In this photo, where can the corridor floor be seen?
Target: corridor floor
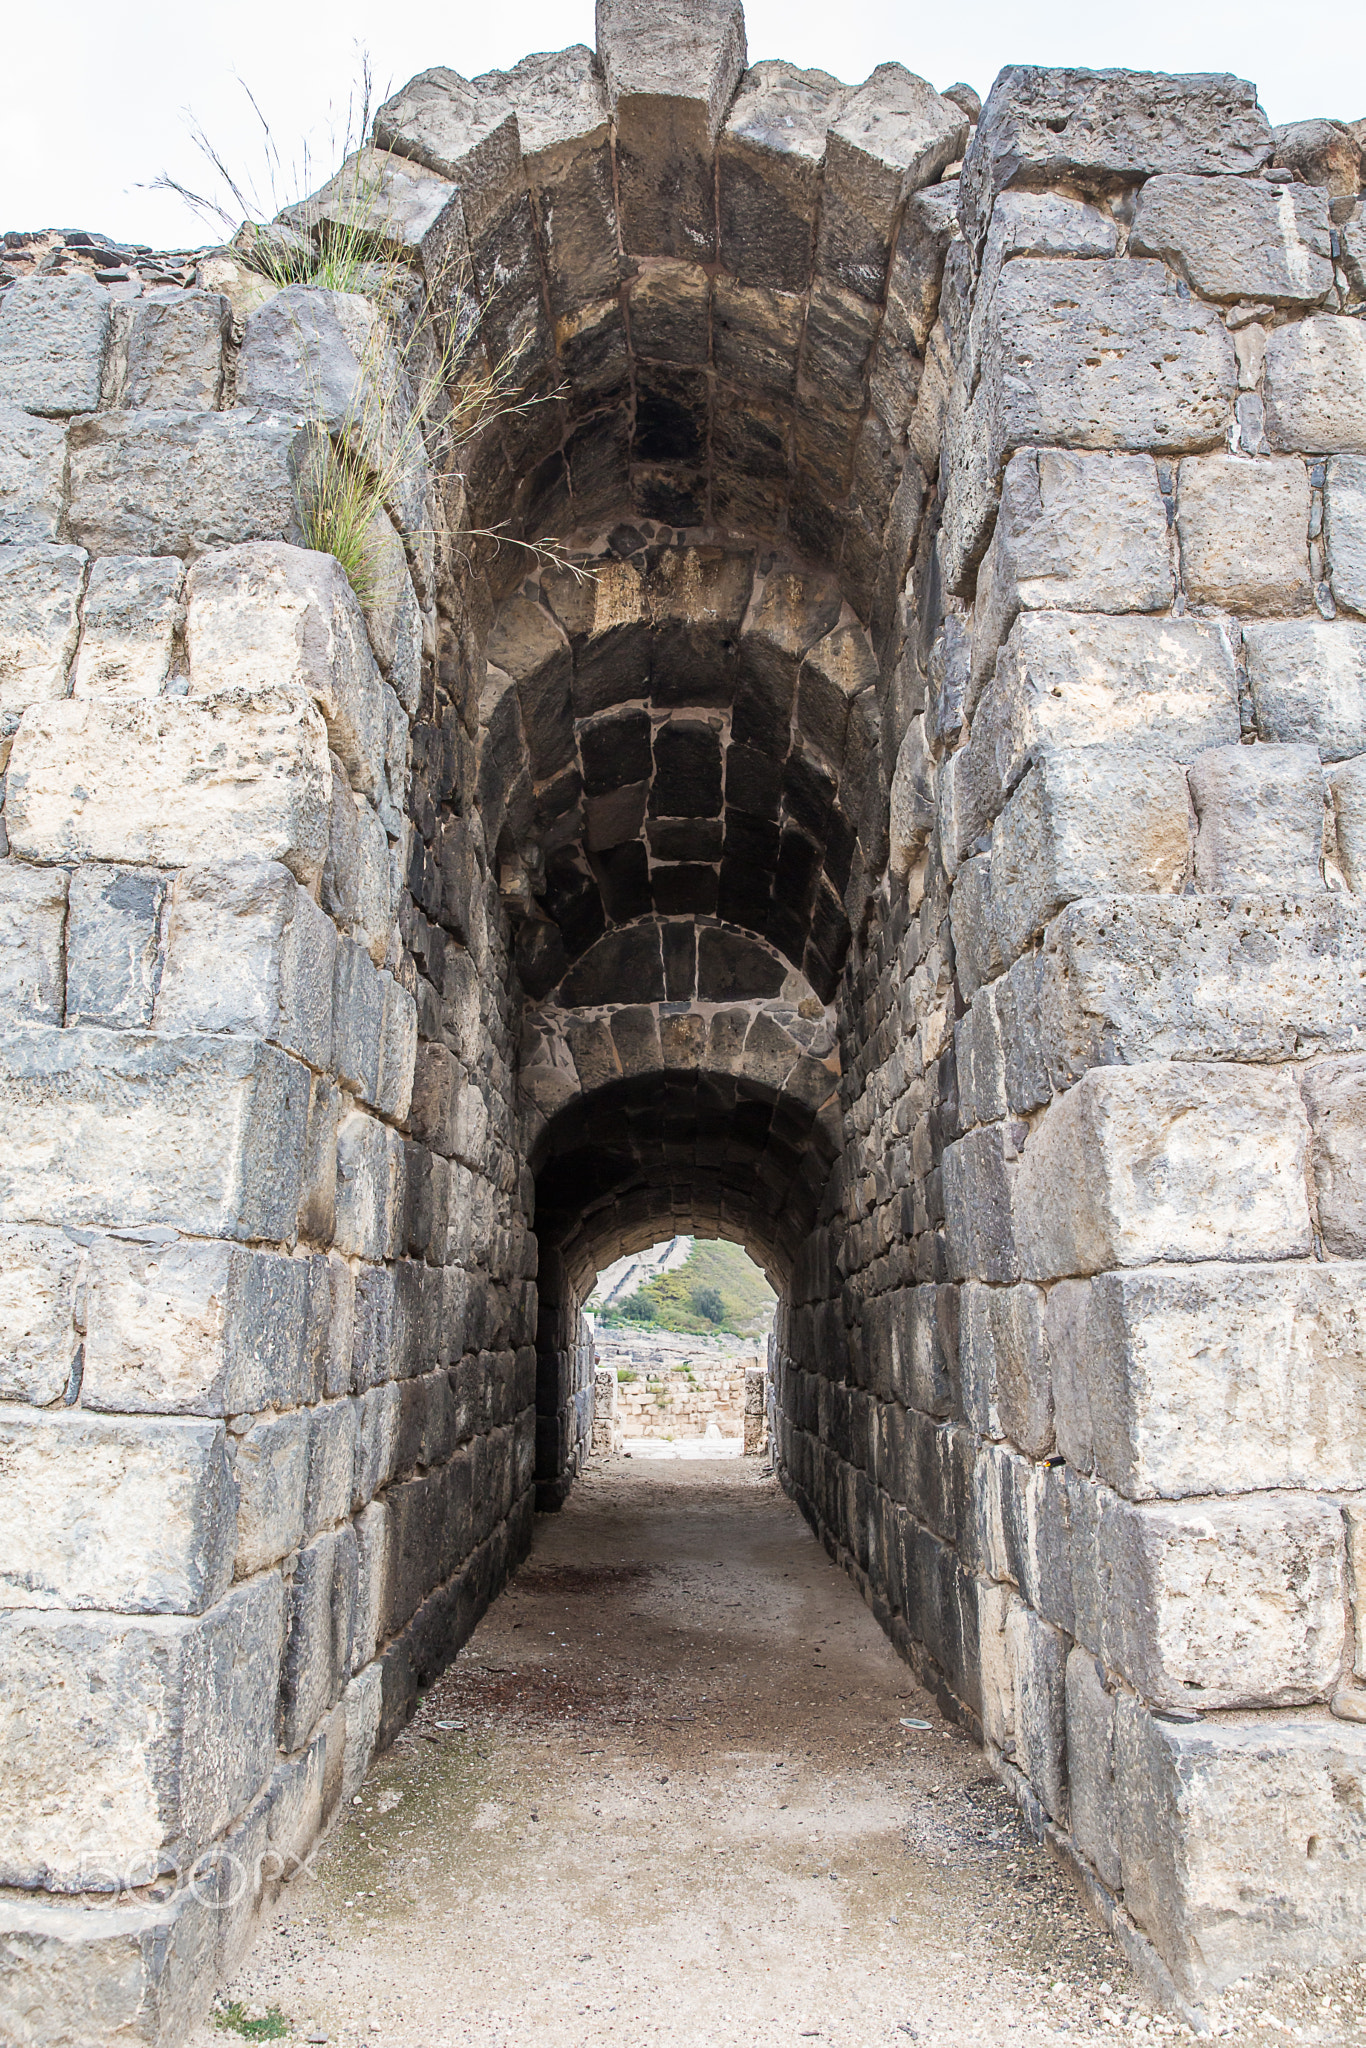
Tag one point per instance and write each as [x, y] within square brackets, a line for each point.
[667, 1795]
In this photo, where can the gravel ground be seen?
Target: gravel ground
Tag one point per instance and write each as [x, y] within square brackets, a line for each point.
[666, 1794]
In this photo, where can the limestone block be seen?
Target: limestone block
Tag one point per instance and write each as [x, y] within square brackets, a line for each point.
[912, 799]
[1108, 818]
[1212, 1872]
[269, 615]
[175, 350]
[32, 477]
[363, 1701]
[1237, 238]
[369, 1187]
[1354, 1515]
[980, 1061]
[89, 1974]
[178, 483]
[129, 1743]
[53, 337]
[769, 173]
[373, 1535]
[319, 1613]
[194, 1329]
[247, 950]
[306, 353]
[1308, 682]
[891, 135]
[131, 614]
[1347, 788]
[32, 923]
[357, 1020]
[1344, 523]
[1038, 1658]
[978, 1178]
[977, 954]
[1068, 681]
[1228, 1603]
[1226, 1379]
[114, 945]
[1127, 979]
[40, 594]
[1315, 389]
[1259, 819]
[332, 1432]
[357, 886]
[1075, 533]
[170, 781]
[1243, 528]
[1190, 1161]
[393, 618]
[670, 76]
[397, 1052]
[995, 1606]
[270, 1466]
[1005, 1368]
[318, 1181]
[1100, 129]
[39, 1274]
[1092, 1798]
[1335, 1097]
[200, 1132]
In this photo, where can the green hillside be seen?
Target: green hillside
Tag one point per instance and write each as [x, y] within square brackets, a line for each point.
[717, 1288]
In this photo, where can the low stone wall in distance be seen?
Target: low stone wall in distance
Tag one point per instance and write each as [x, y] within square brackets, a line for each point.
[672, 1384]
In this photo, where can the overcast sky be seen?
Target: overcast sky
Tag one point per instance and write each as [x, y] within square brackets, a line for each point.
[97, 95]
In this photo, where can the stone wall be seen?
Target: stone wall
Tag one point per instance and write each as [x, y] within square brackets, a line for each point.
[671, 1385]
[907, 822]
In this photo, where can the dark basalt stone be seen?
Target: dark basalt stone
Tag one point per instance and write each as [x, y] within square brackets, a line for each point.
[687, 780]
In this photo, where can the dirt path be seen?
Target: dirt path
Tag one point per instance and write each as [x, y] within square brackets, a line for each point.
[666, 1795]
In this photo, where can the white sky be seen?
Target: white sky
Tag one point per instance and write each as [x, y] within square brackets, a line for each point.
[97, 94]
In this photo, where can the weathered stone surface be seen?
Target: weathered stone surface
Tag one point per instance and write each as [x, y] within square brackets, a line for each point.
[286, 618]
[1347, 784]
[39, 1342]
[1335, 1097]
[1316, 386]
[114, 945]
[40, 592]
[769, 173]
[1038, 1659]
[393, 618]
[1093, 1808]
[357, 1020]
[977, 954]
[204, 1133]
[1106, 129]
[1004, 1365]
[175, 350]
[1244, 534]
[1237, 238]
[1228, 1379]
[1075, 533]
[32, 477]
[369, 1187]
[892, 135]
[53, 337]
[247, 950]
[1325, 153]
[979, 1175]
[32, 927]
[131, 614]
[312, 355]
[168, 1720]
[179, 483]
[1212, 1872]
[332, 1438]
[1259, 819]
[1344, 525]
[1190, 1161]
[320, 1609]
[1308, 683]
[83, 1974]
[1104, 819]
[270, 1468]
[171, 780]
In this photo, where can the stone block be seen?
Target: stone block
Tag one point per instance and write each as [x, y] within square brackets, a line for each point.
[376, 1442]
[175, 350]
[979, 1173]
[1182, 1162]
[1226, 1603]
[40, 595]
[357, 884]
[1215, 1874]
[369, 1187]
[271, 1468]
[1335, 1098]
[995, 1606]
[397, 1052]
[319, 1614]
[286, 618]
[83, 1975]
[1211, 1380]
[1308, 683]
[1005, 1371]
[1038, 1661]
[393, 618]
[179, 483]
[1347, 787]
[1354, 1514]
[1103, 129]
[1067, 682]
[363, 1701]
[32, 477]
[1109, 818]
[316, 354]
[1344, 526]
[891, 135]
[1075, 533]
[199, 1132]
[332, 1431]
[980, 1061]
[357, 1020]
[54, 333]
[194, 1329]
[1128, 979]
[318, 1181]
[32, 927]
[129, 1743]
[1237, 238]
[114, 945]
[1259, 819]
[373, 1541]
[39, 1273]
[769, 174]
[976, 951]
[1092, 1797]
[248, 951]
[170, 781]
[1243, 529]
[1315, 387]
[129, 620]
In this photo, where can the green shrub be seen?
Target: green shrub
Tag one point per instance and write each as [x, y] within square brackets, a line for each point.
[232, 2019]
